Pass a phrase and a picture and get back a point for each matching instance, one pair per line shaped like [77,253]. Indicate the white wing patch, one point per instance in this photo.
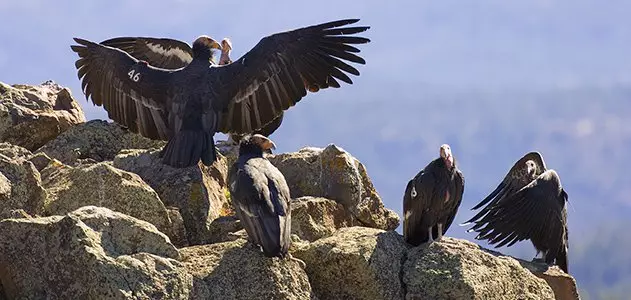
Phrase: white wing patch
[179,53]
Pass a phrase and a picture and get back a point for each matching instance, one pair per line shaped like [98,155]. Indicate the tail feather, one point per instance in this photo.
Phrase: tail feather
[187,147]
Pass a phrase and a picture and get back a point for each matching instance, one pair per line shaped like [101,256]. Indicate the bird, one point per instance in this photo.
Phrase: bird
[188,105]
[529,203]
[261,197]
[169,53]
[432,198]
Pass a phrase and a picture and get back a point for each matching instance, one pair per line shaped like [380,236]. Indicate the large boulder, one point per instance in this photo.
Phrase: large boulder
[95,141]
[30,115]
[20,182]
[355,263]
[236,270]
[563,285]
[199,192]
[334,174]
[313,218]
[459,269]
[92,253]
[101,184]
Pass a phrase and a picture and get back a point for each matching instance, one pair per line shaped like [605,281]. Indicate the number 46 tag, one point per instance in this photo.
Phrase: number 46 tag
[133,75]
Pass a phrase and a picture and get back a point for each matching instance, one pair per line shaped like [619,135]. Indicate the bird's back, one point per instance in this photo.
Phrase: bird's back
[262,203]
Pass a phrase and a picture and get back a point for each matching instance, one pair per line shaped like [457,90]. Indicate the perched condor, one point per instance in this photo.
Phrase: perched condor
[173,54]
[261,197]
[432,199]
[186,106]
[529,203]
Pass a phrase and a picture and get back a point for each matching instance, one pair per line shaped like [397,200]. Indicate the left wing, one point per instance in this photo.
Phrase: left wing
[159,52]
[133,93]
[274,75]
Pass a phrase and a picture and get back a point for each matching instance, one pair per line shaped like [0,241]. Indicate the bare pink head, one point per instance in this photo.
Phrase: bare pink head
[445,154]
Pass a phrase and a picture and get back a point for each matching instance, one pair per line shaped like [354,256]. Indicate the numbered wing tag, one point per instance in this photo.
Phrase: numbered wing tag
[135,73]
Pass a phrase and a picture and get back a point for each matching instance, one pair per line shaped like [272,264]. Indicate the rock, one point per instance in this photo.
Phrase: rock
[563,285]
[178,232]
[223,229]
[334,174]
[95,141]
[199,192]
[314,218]
[459,269]
[20,182]
[236,270]
[13,151]
[30,116]
[41,160]
[92,253]
[103,185]
[14,214]
[356,263]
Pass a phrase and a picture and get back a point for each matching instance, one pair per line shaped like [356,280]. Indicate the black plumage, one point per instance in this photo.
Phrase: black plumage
[173,54]
[530,203]
[186,106]
[432,199]
[261,197]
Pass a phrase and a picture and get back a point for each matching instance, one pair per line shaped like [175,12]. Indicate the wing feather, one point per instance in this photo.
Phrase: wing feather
[159,52]
[107,76]
[280,70]
[516,178]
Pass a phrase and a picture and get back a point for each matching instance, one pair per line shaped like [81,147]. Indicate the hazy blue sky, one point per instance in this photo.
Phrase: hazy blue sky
[489,44]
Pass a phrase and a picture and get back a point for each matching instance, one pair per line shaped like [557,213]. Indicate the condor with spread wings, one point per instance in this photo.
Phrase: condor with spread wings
[173,54]
[530,203]
[186,106]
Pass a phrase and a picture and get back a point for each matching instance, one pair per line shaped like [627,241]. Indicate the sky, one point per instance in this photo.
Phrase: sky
[490,46]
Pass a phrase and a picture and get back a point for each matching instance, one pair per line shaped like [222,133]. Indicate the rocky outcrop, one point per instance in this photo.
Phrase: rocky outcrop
[563,285]
[458,269]
[92,253]
[356,263]
[30,116]
[236,270]
[95,141]
[20,183]
[313,218]
[334,174]
[198,192]
[100,184]
[95,214]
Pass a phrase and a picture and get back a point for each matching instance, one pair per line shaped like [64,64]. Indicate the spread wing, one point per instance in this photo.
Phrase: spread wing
[274,75]
[133,93]
[516,179]
[262,204]
[158,52]
[536,212]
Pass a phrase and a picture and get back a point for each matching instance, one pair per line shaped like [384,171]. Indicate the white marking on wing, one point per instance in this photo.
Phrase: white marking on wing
[413,192]
[179,53]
